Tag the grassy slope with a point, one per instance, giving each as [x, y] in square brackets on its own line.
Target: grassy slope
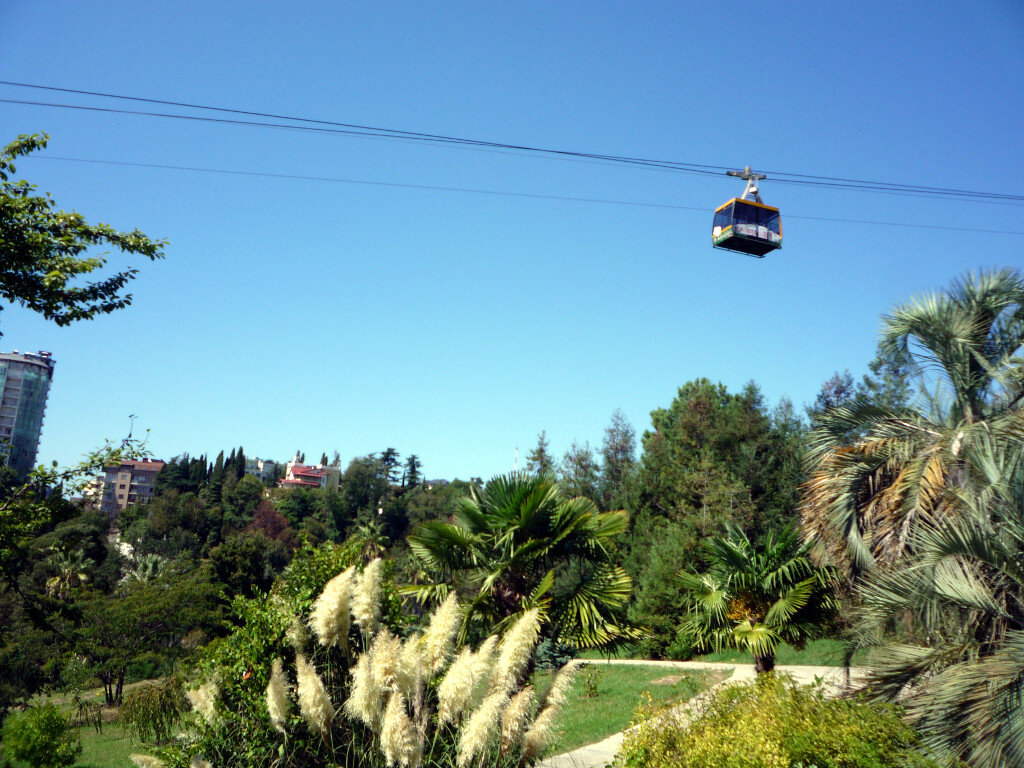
[619, 689]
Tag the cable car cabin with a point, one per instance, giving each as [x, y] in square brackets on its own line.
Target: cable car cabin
[747, 227]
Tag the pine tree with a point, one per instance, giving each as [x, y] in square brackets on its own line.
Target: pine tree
[539, 461]
[323, 459]
[217, 476]
[412, 475]
[389, 464]
[618, 454]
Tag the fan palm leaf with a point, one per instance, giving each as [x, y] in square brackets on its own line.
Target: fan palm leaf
[877, 473]
[520, 544]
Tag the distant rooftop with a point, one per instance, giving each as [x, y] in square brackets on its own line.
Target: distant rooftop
[44, 359]
[141, 466]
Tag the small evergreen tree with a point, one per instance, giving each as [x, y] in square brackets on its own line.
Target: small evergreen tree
[539, 461]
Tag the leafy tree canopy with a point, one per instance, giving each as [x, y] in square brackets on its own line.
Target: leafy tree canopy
[42, 250]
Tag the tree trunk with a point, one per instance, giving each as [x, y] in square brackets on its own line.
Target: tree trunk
[108, 689]
[763, 664]
[120, 687]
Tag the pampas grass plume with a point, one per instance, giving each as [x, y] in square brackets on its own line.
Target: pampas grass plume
[516, 651]
[199, 762]
[297, 634]
[278, 704]
[439, 639]
[515, 718]
[460, 682]
[481, 728]
[147, 761]
[398, 738]
[204, 700]
[364, 700]
[410, 664]
[385, 655]
[314, 703]
[539, 735]
[456, 687]
[366, 598]
[329, 618]
[558, 693]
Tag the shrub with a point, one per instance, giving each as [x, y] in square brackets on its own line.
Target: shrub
[774, 723]
[551, 654]
[151, 710]
[42, 737]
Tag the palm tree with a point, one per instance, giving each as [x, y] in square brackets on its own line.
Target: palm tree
[877, 472]
[756, 597]
[521, 544]
[70, 570]
[958, 604]
[146, 568]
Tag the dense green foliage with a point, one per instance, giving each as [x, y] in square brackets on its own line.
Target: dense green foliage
[774, 723]
[712, 460]
[42, 737]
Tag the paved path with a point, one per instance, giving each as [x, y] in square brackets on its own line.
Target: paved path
[603, 752]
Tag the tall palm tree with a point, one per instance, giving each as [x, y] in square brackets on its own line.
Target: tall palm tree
[958, 603]
[521, 544]
[756, 597]
[877, 472]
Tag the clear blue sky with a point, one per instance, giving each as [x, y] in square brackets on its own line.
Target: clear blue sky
[296, 314]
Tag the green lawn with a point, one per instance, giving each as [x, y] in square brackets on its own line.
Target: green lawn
[818, 653]
[822, 653]
[109, 749]
[619, 689]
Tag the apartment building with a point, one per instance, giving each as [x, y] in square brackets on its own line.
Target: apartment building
[130, 482]
[25, 385]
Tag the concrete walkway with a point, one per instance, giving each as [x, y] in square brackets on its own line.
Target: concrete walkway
[603, 752]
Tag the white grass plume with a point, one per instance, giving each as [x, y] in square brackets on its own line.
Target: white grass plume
[204, 700]
[480, 731]
[399, 740]
[330, 618]
[439, 639]
[314, 703]
[558, 693]
[147, 761]
[516, 717]
[516, 651]
[539, 736]
[457, 687]
[364, 700]
[385, 656]
[410, 665]
[199, 762]
[366, 598]
[296, 634]
[278, 703]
